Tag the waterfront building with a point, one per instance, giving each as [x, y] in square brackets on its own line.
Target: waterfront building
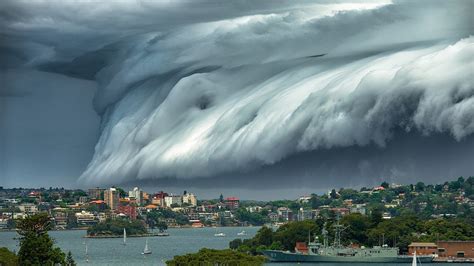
[60, 220]
[85, 218]
[456, 249]
[111, 198]
[96, 193]
[4, 223]
[136, 194]
[422, 248]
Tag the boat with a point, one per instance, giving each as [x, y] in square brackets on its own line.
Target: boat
[124, 237]
[413, 262]
[242, 233]
[87, 253]
[219, 234]
[146, 250]
[337, 253]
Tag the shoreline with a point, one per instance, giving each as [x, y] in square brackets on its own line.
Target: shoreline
[121, 236]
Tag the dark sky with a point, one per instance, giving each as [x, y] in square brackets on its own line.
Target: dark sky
[247, 98]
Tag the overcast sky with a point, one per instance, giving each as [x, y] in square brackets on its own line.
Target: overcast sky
[260, 99]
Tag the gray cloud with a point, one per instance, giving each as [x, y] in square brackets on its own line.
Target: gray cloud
[195, 91]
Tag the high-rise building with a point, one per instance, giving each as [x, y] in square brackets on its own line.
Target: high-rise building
[136, 194]
[95, 193]
[232, 203]
[111, 198]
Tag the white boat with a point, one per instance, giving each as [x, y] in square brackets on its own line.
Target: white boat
[146, 250]
[124, 237]
[219, 234]
[243, 233]
[87, 253]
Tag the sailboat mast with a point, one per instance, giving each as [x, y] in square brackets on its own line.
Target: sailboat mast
[124, 236]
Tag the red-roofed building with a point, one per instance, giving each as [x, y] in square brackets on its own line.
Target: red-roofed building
[100, 204]
[232, 202]
[129, 210]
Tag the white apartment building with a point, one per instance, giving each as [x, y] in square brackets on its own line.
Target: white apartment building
[136, 194]
[173, 199]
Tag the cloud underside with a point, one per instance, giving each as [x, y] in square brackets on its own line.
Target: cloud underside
[293, 89]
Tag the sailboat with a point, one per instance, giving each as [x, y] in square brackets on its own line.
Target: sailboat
[87, 253]
[414, 263]
[146, 250]
[124, 237]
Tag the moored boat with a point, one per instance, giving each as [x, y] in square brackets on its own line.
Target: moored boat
[322, 252]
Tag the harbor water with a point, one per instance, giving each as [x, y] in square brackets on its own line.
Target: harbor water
[111, 251]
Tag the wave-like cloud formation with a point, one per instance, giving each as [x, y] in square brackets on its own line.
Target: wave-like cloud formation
[237, 93]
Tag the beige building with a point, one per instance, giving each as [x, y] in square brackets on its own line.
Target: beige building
[111, 198]
[28, 208]
[190, 199]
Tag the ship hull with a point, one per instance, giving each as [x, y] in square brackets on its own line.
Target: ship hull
[280, 256]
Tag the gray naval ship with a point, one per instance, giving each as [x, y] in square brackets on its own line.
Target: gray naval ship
[322, 252]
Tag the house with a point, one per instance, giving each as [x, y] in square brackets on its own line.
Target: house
[285, 214]
[85, 218]
[28, 208]
[422, 248]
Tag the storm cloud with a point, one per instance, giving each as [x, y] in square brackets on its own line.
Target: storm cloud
[206, 92]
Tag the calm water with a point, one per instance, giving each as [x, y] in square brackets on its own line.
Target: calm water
[181, 241]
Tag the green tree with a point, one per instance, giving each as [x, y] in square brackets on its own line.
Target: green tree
[420, 186]
[216, 258]
[357, 226]
[7, 257]
[235, 244]
[264, 236]
[162, 226]
[122, 192]
[292, 232]
[36, 247]
[69, 260]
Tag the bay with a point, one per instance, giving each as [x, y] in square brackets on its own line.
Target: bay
[110, 251]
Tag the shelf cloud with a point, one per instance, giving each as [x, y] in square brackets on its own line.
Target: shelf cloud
[207, 92]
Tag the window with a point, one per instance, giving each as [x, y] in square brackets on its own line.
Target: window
[441, 250]
[460, 254]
